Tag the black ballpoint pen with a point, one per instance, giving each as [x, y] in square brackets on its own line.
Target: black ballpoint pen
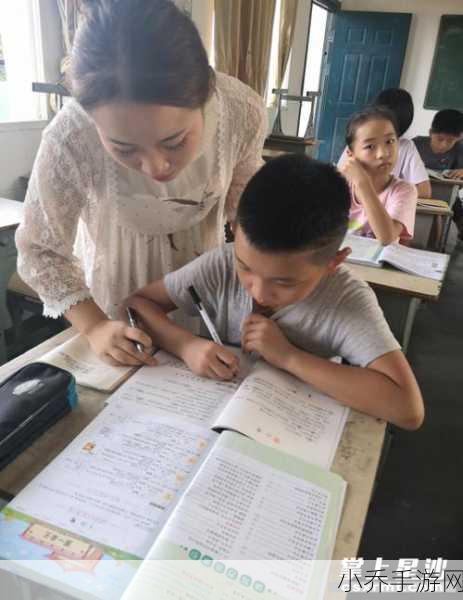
[133, 323]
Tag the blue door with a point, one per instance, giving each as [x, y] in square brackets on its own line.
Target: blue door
[366, 56]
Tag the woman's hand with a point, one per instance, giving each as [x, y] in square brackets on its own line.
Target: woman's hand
[115, 343]
[263, 335]
[355, 173]
[208, 359]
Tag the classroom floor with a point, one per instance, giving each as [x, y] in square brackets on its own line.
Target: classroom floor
[417, 508]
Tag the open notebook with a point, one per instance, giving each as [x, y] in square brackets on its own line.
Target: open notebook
[76, 356]
[443, 176]
[368, 251]
[149, 476]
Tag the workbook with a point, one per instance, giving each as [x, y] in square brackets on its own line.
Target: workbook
[149, 477]
[443, 176]
[76, 356]
[262, 402]
[368, 251]
[432, 203]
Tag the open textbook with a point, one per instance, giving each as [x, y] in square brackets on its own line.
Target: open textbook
[149, 476]
[368, 251]
[76, 356]
[443, 176]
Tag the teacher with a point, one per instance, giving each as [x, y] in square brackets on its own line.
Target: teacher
[138, 173]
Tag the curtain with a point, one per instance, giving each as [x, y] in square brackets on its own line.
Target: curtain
[288, 12]
[243, 37]
[69, 14]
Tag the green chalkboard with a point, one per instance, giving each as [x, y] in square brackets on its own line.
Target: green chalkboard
[445, 86]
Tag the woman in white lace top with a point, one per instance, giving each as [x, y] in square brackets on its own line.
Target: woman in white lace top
[138, 173]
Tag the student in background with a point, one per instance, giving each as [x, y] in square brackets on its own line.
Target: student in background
[443, 150]
[409, 165]
[382, 206]
[281, 291]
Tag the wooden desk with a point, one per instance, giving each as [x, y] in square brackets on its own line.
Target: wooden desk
[290, 144]
[432, 206]
[412, 288]
[356, 459]
[10, 217]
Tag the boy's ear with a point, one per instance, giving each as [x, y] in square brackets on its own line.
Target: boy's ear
[349, 152]
[338, 259]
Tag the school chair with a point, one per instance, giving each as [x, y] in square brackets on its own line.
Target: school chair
[26, 310]
[448, 192]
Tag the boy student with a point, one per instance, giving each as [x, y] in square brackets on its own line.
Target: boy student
[443, 150]
[281, 291]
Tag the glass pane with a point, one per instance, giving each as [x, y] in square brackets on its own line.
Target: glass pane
[314, 61]
[2, 63]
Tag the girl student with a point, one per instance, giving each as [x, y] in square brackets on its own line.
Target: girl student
[382, 206]
[409, 165]
[138, 173]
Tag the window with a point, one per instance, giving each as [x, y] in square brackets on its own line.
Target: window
[305, 69]
[3, 85]
[2, 63]
[273, 64]
[21, 61]
[313, 66]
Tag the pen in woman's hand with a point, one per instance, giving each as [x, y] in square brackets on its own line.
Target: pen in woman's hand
[133, 323]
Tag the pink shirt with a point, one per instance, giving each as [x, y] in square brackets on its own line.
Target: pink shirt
[399, 200]
[409, 165]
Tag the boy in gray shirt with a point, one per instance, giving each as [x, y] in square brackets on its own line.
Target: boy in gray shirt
[280, 290]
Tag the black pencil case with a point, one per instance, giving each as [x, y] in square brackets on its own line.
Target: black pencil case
[31, 400]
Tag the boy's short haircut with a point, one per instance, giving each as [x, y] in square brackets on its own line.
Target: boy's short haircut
[449, 121]
[295, 203]
[400, 102]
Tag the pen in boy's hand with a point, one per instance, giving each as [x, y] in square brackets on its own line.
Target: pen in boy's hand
[208, 322]
[205, 317]
[133, 323]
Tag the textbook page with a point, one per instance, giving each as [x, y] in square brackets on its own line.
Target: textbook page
[253, 523]
[277, 409]
[417, 262]
[444, 176]
[114, 481]
[76, 356]
[365, 251]
[171, 388]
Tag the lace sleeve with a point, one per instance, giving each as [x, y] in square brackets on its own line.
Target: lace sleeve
[250, 158]
[57, 193]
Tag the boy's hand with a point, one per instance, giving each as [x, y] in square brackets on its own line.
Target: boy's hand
[208, 359]
[455, 174]
[114, 342]
[263, 335]
[355, 173]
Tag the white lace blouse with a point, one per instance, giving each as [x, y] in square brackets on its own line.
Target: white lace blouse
[95, 229]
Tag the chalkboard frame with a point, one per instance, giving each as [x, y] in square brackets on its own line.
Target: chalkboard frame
[431, 101]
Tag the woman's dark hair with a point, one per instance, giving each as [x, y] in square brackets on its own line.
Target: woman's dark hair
[145, 51]
[371, 113]
[400, 102]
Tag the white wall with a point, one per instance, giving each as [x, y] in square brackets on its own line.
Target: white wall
[420, 50]
[18, 147]
[19, 141]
